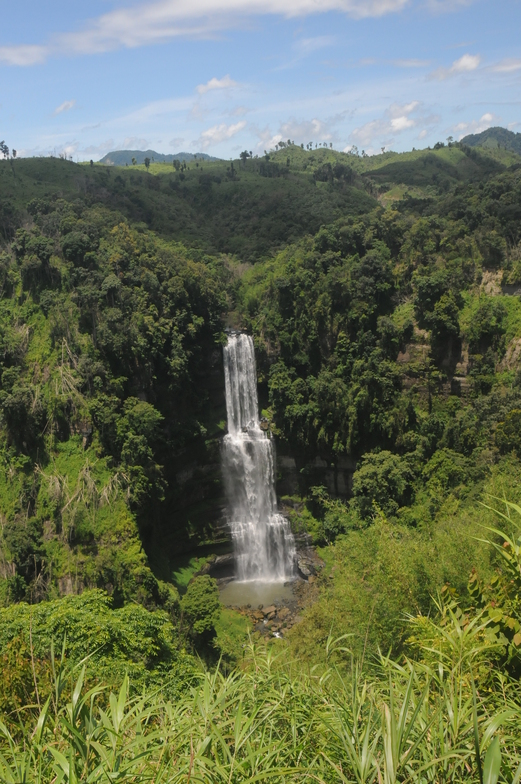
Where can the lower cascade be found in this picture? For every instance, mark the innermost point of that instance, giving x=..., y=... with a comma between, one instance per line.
x=263, y=543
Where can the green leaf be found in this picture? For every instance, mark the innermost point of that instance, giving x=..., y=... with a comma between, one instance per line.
x=492, y=764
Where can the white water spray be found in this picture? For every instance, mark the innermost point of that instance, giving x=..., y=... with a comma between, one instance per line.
x=263, y=542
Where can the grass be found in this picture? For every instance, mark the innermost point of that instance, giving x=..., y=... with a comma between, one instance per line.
x=275, y=721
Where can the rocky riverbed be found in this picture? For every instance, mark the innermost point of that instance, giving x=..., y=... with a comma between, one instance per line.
x=272, y=608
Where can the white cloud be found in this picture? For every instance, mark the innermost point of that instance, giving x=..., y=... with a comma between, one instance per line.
x=397, y=118
x=465, y=64
x=219, y=133
x=100, y=149
x=160, y=21
x=23, y=54
x=476, y=126
x=305, y=46
x=238, y=111
x=402, y=123
x=176, y=142
x=423, y=134
x=216, y=84
x=66, y=106
x=509, y=65
x=134, y=143
x=267, y=140
x=309, y=130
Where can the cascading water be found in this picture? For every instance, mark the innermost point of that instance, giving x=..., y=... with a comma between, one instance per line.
x=262, y=539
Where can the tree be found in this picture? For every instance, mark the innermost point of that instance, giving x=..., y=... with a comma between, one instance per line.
x=244, y=156
x=147, y=163
x=134, y=162
x=14, y=153
x=176, y=164
x=4, y=149
x=201, y=608
x=383, y=478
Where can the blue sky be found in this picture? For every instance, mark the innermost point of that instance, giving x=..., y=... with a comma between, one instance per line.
x=221, y=76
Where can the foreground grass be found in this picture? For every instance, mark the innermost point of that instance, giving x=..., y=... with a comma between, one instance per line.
x=442, y=721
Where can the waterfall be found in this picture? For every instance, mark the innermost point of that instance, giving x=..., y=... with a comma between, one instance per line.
x=262, y=539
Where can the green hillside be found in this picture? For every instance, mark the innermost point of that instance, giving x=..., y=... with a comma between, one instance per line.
x=384, y=298
x=252, y=209
x=495, y=138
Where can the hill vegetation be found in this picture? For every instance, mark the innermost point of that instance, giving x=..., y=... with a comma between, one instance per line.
x=495, y=138
x=136, y=157
x=383, y=295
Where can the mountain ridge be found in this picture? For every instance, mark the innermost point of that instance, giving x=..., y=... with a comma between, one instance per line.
x=493, y=138
x=124, y=157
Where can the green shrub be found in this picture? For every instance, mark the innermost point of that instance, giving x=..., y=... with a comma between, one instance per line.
x=201, y=608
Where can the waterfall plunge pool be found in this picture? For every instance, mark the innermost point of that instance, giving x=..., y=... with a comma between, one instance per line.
x=240, y=593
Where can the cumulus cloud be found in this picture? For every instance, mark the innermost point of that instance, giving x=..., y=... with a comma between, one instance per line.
x=176, y=142
x=397, y=118
x=66, y=106
x=216, y=84
x=160, y=21
x=267, y=139
x=465, y=64
x=476, y=126
x=219, y=133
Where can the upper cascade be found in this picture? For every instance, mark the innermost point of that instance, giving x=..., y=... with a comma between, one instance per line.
x=240, y=377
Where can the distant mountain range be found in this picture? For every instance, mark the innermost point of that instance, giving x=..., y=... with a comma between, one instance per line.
x=495, y=137
x=122, y=157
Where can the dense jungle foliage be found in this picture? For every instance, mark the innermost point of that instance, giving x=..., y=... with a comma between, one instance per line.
x=383, y=295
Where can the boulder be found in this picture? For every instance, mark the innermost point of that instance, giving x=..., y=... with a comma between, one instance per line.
x=305, y=566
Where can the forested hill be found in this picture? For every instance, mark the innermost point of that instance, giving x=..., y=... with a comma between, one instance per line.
x=383, y=295
x=495, y=138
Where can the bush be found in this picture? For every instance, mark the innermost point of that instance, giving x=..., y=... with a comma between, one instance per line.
x=201, y=608
x=383, y=479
